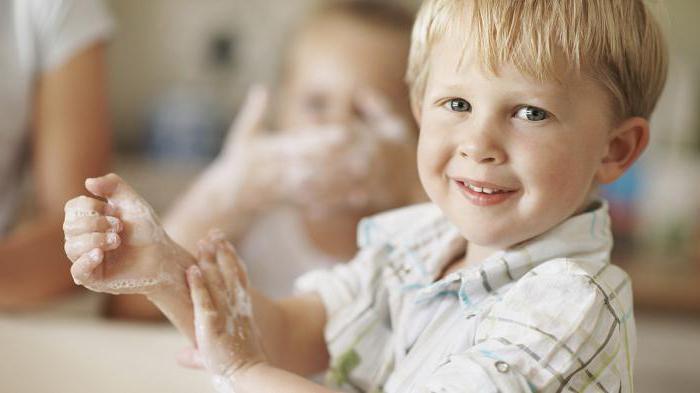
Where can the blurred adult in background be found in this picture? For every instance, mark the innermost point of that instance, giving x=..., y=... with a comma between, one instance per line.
x=342, y=147
x=54, y=125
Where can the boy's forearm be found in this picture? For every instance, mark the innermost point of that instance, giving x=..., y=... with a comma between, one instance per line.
x=173, y=298
x=291, y=329
x=283, y=325
x=264, y=378
x=206, y=205
x=292, y=332
x=176, y=305
x=270, y=320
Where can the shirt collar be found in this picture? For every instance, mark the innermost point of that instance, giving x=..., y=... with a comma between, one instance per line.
x=586, y=236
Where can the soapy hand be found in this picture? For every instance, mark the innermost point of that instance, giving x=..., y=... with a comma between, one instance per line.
x=365, y=164
x=320, y=168
x=251, y=171
x=226, y=335
x=257, y=169
x=118, y=246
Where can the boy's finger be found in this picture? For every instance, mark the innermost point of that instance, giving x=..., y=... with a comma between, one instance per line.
x=89, y=224
x=83, y=268
x=190, y=358
x=205, y=314
x=250, y=119
x=78, y=245
x=83, y=206
x=253, y=111
x=230, y=267
x=111, y=187
x=210, y=271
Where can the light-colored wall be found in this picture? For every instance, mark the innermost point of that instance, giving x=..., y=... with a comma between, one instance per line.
x=683, y=28
x=162, y=43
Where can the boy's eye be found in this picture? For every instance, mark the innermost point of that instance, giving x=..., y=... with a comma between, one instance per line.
x=459, y=105
x=532, y=113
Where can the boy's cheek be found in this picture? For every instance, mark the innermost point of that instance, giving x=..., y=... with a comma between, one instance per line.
x=432, y=164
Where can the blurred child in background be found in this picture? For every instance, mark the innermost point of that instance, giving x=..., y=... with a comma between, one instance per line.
x=342, y=147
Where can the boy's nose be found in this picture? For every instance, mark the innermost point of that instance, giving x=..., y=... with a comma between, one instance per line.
x=482, y=151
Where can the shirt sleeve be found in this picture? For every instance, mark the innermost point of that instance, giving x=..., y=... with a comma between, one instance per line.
x=65, y=27
x=547, y=333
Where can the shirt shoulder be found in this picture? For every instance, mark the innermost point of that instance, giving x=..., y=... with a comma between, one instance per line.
x=610, y=281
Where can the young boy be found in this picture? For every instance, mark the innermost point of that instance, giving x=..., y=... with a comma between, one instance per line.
x=502, y=284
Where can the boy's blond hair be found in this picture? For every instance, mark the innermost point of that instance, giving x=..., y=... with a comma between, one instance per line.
x=617, y=42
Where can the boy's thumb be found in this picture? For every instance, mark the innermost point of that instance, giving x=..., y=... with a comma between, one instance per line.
x=250, y=118
x=252, y=114
x=110, y=187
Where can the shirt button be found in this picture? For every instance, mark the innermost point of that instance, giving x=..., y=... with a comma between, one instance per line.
x=502, y=366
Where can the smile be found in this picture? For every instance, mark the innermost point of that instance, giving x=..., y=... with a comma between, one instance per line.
x=483, y=194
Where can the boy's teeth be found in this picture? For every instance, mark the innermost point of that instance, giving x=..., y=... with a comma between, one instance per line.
x=483, y=190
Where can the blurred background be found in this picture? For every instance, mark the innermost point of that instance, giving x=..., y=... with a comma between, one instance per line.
x=178, y=72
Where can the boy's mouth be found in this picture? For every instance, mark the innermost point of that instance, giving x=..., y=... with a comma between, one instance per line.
x=482, y=187
x=483, y=193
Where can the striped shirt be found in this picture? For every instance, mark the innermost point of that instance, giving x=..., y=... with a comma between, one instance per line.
x=548, y=315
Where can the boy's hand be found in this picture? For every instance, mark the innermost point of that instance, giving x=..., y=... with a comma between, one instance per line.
x=257, y=169
x=235, y=172
x=118, y=246
x=368, y=165
x=226, y=335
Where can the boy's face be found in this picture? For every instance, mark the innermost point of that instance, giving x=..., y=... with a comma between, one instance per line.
x=541, y=144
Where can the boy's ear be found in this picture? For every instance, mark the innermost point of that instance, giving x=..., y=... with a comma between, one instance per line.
x=626, y=143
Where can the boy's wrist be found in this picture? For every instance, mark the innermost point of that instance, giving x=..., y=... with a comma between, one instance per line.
x=248, y=374
x=174, y=301
x=173, y=297
x=174, y=267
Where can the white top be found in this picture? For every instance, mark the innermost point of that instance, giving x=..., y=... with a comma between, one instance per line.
x=35, y=36
x=277, y=251
x=549, y=315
